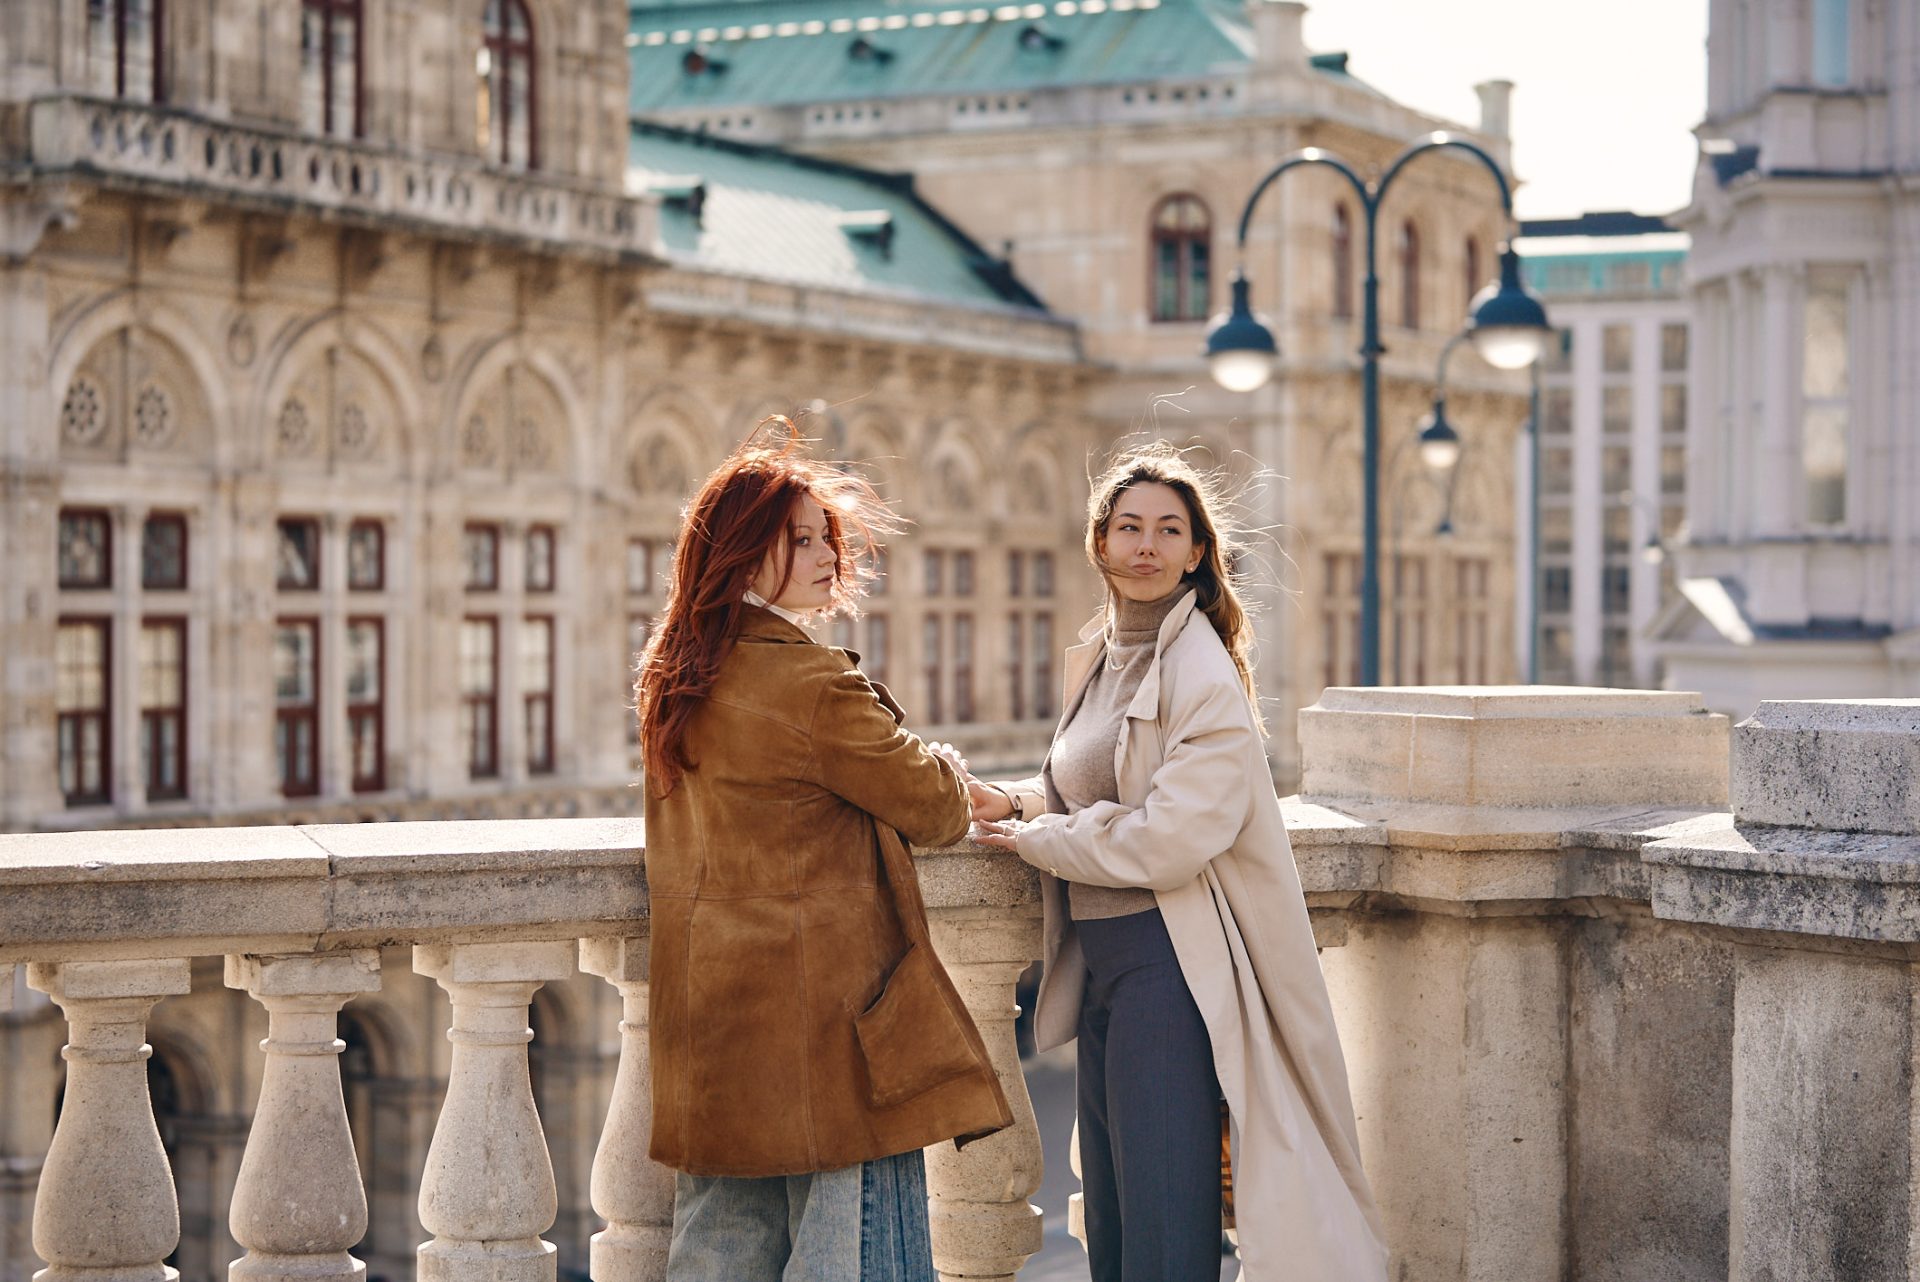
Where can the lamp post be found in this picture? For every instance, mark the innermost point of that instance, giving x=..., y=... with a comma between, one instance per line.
x=1507, y=324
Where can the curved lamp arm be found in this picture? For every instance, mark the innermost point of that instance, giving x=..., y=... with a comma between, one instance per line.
x=1442, y=140
x=1309, y=156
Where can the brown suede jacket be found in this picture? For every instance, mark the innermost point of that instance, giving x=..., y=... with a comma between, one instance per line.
x=799, y=1019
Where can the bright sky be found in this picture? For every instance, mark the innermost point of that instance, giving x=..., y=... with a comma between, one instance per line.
x=1605, y=94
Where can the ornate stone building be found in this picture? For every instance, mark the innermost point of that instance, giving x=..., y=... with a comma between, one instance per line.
x=1104, y=149
x=1801, y=564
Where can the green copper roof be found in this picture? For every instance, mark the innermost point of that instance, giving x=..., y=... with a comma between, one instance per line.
x=750, y=52
x=758, y=211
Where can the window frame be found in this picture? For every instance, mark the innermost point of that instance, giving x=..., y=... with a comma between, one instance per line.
x=1342, y=250
x=103, y=714
x=467, y=531
x=933, y=664
x=327, y=9
x=280, y=527
x=158, y=26
x=105, y=519
x=965, y=709
x=548, y=561
x=1407, y=254
x=379, y=529
x=491, y=700
x=376, y=708
x=499, y=44
x=1183, y=241
x=544, y=764
x=177, y=713
x=308, y=713
x=175, y=520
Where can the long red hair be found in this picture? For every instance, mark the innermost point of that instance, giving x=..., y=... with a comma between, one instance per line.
x=740, y=513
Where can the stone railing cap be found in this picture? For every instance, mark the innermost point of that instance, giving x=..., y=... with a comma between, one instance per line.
x=1837, y=765
x=1504, y=702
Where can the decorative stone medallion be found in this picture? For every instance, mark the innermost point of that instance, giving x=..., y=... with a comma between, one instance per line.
x=529, y=444
x=153, y=419
x=83, y=417
x=295, y=427
x=477, y=446
x=355, y=433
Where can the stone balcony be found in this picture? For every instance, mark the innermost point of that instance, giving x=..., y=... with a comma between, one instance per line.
x=160, y=151
x=1598, y=1025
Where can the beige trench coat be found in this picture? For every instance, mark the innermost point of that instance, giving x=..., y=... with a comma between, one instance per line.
x=1199, y=824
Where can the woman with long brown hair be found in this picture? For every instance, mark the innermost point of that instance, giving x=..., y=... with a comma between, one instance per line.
x=806, y=1043
x=1178, y=950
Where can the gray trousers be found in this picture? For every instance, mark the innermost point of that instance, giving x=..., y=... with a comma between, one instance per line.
x=865, y=1223
x=1149, y=1109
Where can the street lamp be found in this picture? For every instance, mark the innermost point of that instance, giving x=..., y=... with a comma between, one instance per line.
x=1507, y=324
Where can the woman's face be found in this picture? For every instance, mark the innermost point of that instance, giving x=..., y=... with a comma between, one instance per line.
x=810, y=587
x=1148, y=543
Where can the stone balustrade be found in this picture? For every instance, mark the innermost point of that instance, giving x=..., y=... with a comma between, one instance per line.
x=165, y=150
x=107, y=923
x=1625, y=996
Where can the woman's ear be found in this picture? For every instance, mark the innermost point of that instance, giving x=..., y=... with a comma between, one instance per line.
x=1199, y=555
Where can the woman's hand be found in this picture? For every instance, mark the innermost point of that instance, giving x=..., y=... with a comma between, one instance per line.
x=989, y=803
x=951, y=755
x=1000, y=836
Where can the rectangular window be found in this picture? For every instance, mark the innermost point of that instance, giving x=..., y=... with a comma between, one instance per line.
x=540, y=545
x=366, y=702
x=1825, y=387
x=480, y=552
x=1043, y=574
x=1558, y=358
x=1616, y=348
x=639, y=566
x=1471, y=622
x=1556, y=469
x=1340, y=620
x=536, y=690
x=1043, y=679
x=163, y=553
x=1616, y=410
x=933, y=668
x=296, y=684
x=298, y=559
x=124, y=49
x=1556, y=655
x=879, y=573
x=1616, y=469
x=86, y=549
x=330, y=67
x=1673, y=348
x=1410, y=619
x=82, y=650
x=1616, y=657
x=1016, y=572
x=1673, y=469
x=1556, y=410
x=1016, y=668
x=1616, y=589
x=963, y=668
x=639, y=632
x=963, y=574
x=1556, y=530
x=935, y=563
x=1832, y=34
x=366, y=556
x=873, y=659
x=1556, y=589
x=1673, y=409
x=163, y=708
x=1617, y=529
x=480, y=695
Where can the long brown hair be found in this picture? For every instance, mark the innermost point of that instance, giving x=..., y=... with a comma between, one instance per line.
x=740, y=513
x=1216, y=589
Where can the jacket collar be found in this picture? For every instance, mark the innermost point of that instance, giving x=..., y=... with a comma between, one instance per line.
x=1081, y=658
x=761, y=624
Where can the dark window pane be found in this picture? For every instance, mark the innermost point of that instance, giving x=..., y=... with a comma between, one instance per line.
x=481, y=547
x=298, y=562
x=163, y=553
x=85, y=560
x=366, y=556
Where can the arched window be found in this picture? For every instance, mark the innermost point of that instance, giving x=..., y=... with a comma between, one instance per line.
x=1182, y=259
x=124, y=48
x=1409, y=250
x=330, y=33
x=506, y=100
x=1342, y=263
x=1474, y=282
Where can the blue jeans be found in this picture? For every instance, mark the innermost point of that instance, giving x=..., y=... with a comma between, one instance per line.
x=865, y=1223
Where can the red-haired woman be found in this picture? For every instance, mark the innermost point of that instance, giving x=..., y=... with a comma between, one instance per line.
x=806, y=1042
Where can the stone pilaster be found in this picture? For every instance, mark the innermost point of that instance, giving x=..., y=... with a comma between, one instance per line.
x=106, y=1210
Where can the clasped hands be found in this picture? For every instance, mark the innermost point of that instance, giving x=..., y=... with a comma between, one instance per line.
x=991, y=807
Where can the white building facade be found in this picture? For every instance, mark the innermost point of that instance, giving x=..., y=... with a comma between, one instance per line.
x=1613, y=407
x=1801, y=562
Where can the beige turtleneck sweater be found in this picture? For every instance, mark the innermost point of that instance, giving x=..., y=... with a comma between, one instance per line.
x=1081, y=764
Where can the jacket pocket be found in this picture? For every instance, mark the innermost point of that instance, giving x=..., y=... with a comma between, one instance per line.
x=910, y=1038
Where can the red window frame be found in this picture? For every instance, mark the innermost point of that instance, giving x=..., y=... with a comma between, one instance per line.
x=540, y=570
x=367, y=718
x=156, y=720
x=538, y=703
x=1180, y=258
x=176, y=522
x=473, y=529
x=157, y=25
x=1016, y=571
x=356, y=531
x=290, y=719
x=72, y=723
x=963, y=707
x=327, y=12
x=932, y=666
x=483, y=755
x=1016, y=668
x=503, y=47
x=94, y=516
x=1043, y=680
x=280, y=579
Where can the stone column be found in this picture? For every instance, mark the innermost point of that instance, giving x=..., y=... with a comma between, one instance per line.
x=299, y=1204
x=487, y=1192
x=106, y=1210
x=984, y=1227
x=633, y=1193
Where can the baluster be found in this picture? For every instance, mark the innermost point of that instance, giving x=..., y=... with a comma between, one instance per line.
x=299, y=1205
x=106, y=1210
x=984, y=1227
x=633, y=1193
x=487, y=1192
